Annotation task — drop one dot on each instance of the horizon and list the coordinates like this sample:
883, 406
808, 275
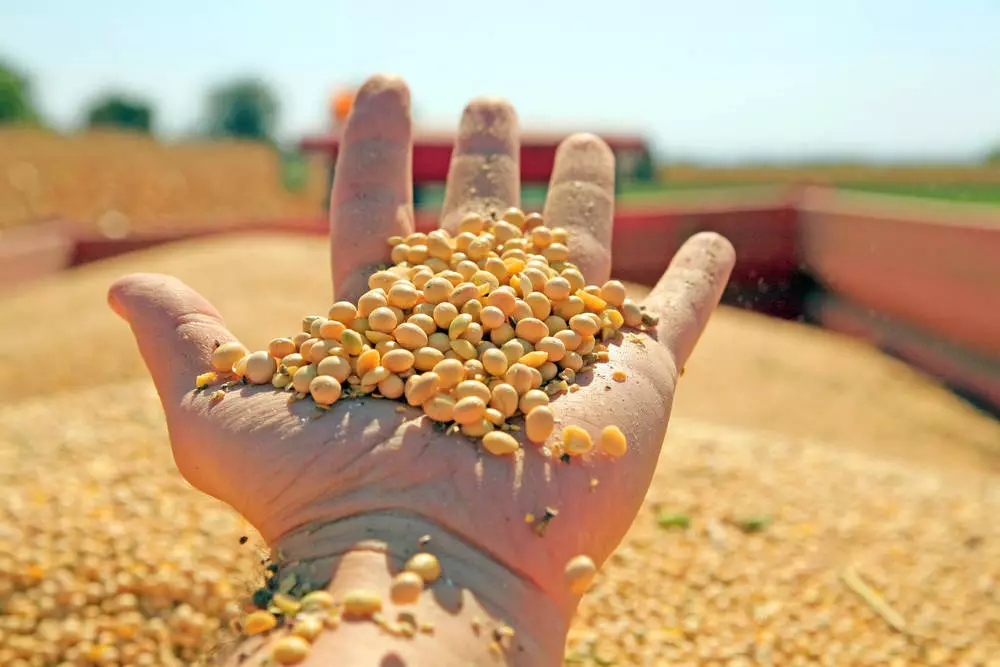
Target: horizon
836, 82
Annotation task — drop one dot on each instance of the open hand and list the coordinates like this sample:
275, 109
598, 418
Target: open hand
283, 470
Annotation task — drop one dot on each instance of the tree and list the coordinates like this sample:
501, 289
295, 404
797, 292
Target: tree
120, 111
993, 157
16, 104
245, 109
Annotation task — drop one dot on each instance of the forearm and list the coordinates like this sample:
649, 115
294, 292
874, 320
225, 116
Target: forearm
461, 619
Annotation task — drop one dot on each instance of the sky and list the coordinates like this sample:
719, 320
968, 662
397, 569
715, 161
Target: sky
712, 80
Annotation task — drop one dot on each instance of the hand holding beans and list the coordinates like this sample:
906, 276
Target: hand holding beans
517, 303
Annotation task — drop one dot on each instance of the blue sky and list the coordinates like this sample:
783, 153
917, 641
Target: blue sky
709, 79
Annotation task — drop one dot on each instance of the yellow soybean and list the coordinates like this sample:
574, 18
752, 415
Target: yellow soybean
532, 400
450, 372
336, 367
325, 389
398, 361
531, 329
613, 292
343, 312
426, 358
469, 409
391, 387
410, 336
539, 424
419, 388
361, 602
579, 574
494, 362
226, 355
281, 347
426, 565
406, 587
499, 443
440, 408
383, 319
504, 397
471, 388
259, 621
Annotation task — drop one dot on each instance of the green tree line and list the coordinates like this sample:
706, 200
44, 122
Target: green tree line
242, 109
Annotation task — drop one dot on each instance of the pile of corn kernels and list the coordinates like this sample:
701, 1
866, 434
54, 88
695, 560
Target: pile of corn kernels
476, 329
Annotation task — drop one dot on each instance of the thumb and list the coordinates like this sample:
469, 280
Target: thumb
175, 328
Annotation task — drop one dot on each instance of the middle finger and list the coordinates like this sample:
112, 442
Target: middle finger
484, 174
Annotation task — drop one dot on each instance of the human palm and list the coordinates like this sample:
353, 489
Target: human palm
282, 469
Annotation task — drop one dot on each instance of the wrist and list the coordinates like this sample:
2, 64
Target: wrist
462, 614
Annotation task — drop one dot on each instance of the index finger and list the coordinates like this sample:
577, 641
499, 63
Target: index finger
372, 196
690, 289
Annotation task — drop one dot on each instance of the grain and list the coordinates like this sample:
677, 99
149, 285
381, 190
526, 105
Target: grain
426, 565
290, 650
902, 527
576, 441
226, 355
579, 573
281, 347
307, 626
928, 527
499, 443
258, 622
406, 587
361, 602
539, 424
613, 442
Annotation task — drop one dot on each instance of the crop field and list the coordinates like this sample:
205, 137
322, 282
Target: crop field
816, 502
118, 183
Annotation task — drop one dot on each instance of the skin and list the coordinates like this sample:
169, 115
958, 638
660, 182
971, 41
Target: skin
343, 500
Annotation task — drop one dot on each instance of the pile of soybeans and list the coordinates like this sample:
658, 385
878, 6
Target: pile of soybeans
475, 330
752, 547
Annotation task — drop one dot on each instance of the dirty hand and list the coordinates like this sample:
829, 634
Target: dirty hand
314, 488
